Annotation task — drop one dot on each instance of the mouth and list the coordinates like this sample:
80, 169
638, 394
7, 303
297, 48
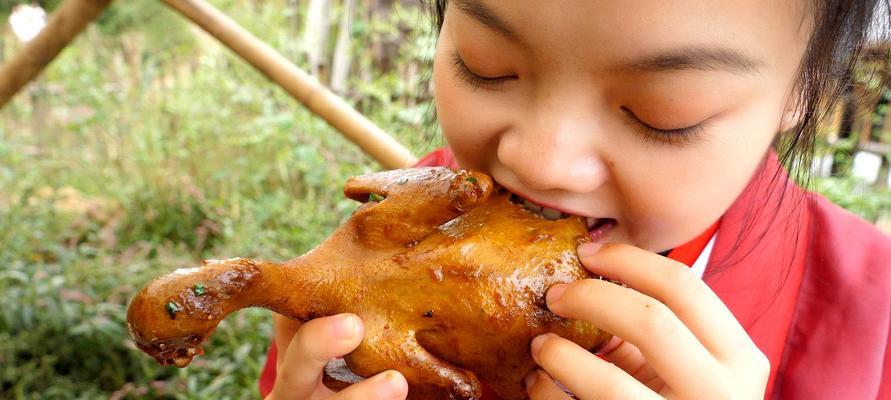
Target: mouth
597, 227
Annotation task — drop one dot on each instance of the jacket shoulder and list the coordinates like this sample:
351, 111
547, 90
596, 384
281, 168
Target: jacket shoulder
840, 333
846, 241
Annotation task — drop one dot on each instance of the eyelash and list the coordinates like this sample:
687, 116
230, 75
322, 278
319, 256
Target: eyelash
475, 81
679, 136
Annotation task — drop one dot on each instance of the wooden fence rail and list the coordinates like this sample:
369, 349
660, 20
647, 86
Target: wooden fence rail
68, 20
72, 16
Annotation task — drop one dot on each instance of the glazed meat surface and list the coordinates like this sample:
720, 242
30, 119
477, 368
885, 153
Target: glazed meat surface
447, 274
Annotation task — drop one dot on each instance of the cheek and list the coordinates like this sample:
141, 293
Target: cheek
673, 195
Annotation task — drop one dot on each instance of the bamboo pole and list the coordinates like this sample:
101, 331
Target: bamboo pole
297, 83
69, 19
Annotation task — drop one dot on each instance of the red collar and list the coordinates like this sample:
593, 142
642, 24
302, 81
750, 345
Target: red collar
689, 252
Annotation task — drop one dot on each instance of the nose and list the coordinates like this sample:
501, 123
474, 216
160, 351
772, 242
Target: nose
555, 149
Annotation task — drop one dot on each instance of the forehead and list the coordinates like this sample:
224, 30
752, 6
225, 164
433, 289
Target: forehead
597, 31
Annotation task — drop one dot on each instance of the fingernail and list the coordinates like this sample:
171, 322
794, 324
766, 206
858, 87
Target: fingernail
537, 342
391, 386
530, 379
588, 249
346, 326
555, 293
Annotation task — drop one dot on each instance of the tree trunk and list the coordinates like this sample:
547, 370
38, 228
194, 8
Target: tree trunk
884, 171
315, 37
834, 123
294, 8
885, 134
343, 52
383, 48
863, 123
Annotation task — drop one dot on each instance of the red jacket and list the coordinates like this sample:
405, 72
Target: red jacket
809, 281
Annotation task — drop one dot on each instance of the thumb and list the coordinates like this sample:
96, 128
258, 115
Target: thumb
299, 376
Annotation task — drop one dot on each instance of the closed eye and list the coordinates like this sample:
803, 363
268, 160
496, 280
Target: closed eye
475, 80
670, 136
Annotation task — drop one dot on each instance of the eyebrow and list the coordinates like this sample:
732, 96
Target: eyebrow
695, 58
684, 59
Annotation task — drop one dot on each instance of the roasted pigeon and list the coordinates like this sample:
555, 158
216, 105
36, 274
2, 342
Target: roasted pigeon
447, 271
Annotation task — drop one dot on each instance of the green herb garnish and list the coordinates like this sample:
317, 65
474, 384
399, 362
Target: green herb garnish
199, 289
471, 180
172, 309
375, 197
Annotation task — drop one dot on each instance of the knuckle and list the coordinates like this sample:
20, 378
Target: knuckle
287, 375
682, 278
581, 291
657, 318
293, 379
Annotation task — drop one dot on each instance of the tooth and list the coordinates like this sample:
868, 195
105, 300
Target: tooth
550, 213
532, 206
591, 222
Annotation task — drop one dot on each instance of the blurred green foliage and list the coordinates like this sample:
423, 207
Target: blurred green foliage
147, 146
857, 196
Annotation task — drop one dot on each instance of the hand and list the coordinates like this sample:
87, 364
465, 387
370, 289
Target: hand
305, 350
678, 340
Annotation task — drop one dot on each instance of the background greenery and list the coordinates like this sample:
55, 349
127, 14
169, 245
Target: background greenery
147, 146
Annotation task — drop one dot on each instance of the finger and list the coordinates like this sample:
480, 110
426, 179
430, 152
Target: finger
673, 284
628, 357
315, 343
285, 329
583, 373
387, 385
651, 326
541, 386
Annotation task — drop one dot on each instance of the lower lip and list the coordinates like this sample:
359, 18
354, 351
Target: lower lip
599, 231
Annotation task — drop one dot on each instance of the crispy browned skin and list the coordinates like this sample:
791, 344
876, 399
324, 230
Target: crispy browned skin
446, 273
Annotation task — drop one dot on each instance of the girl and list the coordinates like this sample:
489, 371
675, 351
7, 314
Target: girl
657, 121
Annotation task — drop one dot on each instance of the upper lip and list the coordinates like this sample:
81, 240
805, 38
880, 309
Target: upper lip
542, 204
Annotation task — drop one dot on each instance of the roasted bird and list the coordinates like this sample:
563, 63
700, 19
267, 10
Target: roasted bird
446, 271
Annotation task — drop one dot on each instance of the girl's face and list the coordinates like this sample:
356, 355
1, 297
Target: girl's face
650, 117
